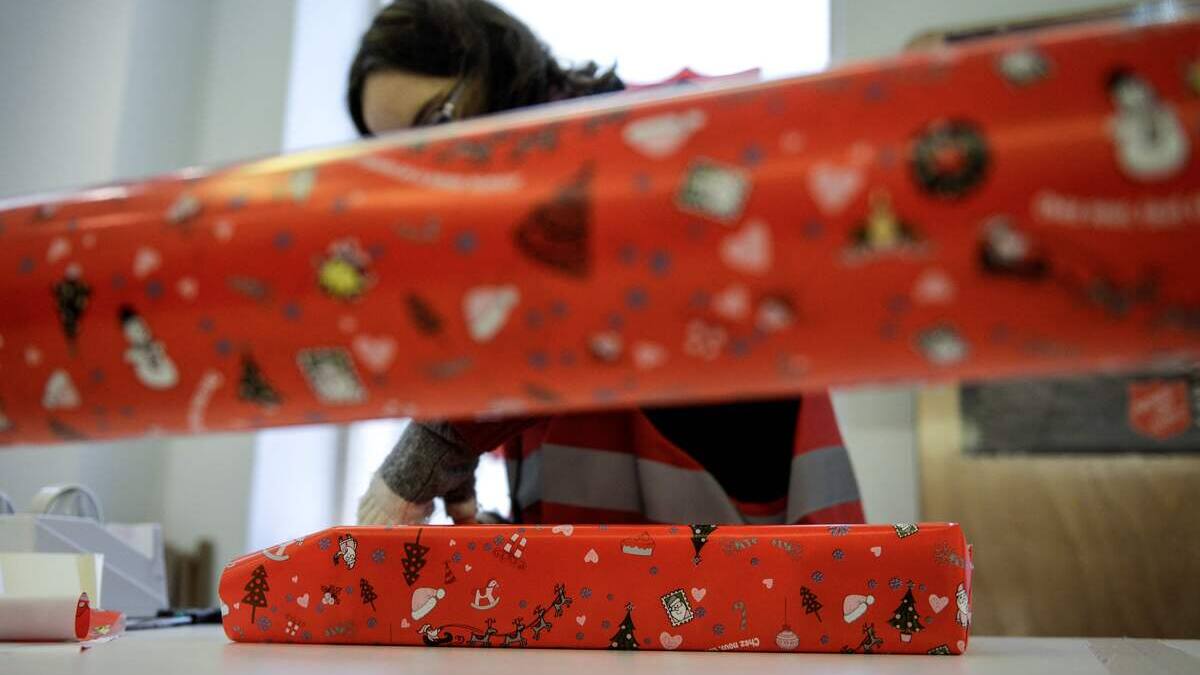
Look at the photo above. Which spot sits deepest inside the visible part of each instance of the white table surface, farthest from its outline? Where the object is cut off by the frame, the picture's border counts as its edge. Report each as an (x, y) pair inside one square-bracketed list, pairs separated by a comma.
[(204, 649)]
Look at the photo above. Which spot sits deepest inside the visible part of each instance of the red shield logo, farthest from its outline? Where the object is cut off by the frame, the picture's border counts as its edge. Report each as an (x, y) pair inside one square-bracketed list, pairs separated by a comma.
[(1159, 409)]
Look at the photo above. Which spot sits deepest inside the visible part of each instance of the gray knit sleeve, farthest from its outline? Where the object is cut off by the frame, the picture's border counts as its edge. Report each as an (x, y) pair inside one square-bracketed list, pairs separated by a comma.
[(430, 460)]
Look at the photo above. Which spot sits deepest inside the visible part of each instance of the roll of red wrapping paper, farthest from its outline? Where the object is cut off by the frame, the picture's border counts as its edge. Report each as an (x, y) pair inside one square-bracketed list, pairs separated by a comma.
[(894, 589), (1015, 207)]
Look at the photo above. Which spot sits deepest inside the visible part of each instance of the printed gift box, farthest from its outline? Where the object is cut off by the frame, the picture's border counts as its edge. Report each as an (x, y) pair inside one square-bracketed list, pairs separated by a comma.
[(901, 589)]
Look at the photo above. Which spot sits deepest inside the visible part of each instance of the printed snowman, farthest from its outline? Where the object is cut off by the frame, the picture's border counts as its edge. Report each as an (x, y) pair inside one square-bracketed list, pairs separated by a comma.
[(1151, 143), (151, 364), (963, 617), (347, 551)]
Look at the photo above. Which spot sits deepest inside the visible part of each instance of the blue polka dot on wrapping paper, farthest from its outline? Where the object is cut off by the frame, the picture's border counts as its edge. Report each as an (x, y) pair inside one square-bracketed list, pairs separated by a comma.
[(487, 546), (282, 241), (641, 182), (921, 588), (314, 416), (739, 346), (660, 263), (824, 639), (585, 593), (306, 634), (871, 584), (471, 546), (566, 358), (206, 325), (817, 576), (224, 347), (894, 583), (653, 570), (320, 609), (97, 375), (534, 319), (466, 243), (898, 304), (126, 411), (579, 635), (610, 597), (636, 298), (604, 395), (627, 254), (379, 555), (324, 544), (376, 251), (457, 557), (874, 92), (25, 266), (497, 540), (559, 309), (889, 331), (701, 612), (838, 554), (264, 624), (371, 622), (605, 624), (718, 629), (288, 598), (813, 228), (616, 321), (154, 290), (349, 590), (522, 604), (72, 225), (754, 562), (538, 360), (292, 311), (752, 156)]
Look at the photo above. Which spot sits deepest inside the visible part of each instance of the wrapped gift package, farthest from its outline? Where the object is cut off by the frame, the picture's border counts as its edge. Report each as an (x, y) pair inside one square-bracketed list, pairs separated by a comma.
[(1017, 206), (894, 589)]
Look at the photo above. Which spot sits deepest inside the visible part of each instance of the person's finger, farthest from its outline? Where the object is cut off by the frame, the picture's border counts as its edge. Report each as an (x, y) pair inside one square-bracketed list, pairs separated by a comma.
[(463, 512)]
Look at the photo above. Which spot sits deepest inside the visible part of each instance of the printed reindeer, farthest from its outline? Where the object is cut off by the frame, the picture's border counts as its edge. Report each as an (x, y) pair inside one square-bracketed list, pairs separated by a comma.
[(517, 637), (561, 601), (483, 639), (541, 624)]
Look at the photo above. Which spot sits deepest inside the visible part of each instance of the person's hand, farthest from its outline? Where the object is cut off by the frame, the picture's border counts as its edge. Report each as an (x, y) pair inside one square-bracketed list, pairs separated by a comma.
[(430, 460)]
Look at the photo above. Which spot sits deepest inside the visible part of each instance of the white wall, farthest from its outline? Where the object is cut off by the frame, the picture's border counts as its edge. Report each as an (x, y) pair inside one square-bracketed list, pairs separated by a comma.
[(106, 89)]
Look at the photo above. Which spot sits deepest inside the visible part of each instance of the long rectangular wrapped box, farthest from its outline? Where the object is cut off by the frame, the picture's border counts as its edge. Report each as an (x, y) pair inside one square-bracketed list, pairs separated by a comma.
[(901, 588)]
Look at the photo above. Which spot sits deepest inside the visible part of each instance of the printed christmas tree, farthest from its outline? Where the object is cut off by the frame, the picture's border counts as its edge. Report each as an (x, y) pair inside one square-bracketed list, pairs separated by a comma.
[(367, 591), (625, 637), (254, 386), (414, 560), (905, 619), (700, 535), (71, 295), (256, 590), (811, 604)]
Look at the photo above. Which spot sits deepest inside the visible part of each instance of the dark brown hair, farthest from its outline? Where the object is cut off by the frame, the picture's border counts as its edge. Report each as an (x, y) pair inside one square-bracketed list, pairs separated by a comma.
[(474, 40)]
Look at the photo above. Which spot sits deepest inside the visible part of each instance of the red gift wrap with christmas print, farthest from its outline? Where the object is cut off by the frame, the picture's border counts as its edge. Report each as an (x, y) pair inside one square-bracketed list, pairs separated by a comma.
[(1017, 206), (871, 589)]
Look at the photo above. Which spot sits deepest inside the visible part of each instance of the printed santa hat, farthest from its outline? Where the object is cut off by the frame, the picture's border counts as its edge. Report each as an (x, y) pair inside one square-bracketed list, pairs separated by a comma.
[(854, 606), (424, 600)]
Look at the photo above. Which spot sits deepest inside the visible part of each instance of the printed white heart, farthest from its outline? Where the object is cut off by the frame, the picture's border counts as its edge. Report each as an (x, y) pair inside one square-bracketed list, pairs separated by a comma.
[(877, 551), (188, 288), (404, 623), (60, 392), (792, 142), (749, 249), (698, 593), (375, 352), (733, 303), (224, 609), (581, 619), (60, 247), (670, 642), (237, 605), (453, 543), (648, 355), (564, 530), (295, 578), (592, 556), (769, 583), (145, 262), (486, 309), (933, 287), (467, 568), (962, 645), (302, 600), (662, 135), (938, 602), (832, 186), (33, 356), (223, 229)]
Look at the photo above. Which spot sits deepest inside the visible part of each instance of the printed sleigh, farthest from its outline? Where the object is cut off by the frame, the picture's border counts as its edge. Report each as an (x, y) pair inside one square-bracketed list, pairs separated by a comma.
[(1012, 207), (901, 589)]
